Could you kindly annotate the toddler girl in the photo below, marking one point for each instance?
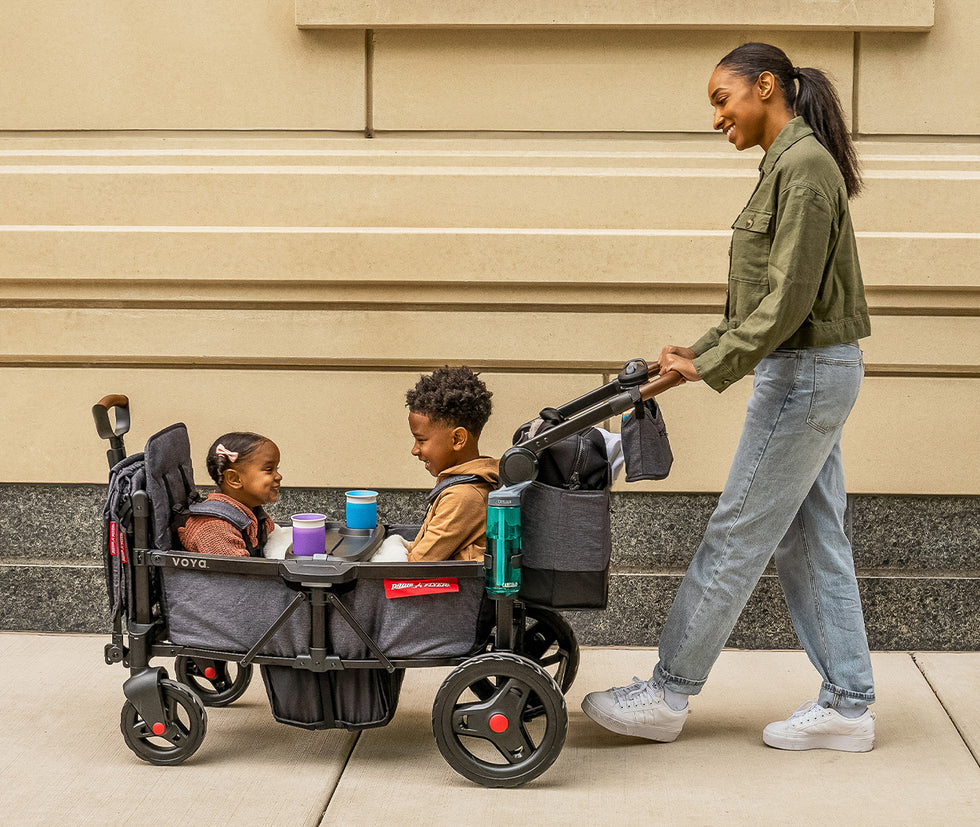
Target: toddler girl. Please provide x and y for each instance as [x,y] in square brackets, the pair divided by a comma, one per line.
[246,468]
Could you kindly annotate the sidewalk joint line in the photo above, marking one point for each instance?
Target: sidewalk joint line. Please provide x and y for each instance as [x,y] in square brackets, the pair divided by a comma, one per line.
[949,715]
[340,776]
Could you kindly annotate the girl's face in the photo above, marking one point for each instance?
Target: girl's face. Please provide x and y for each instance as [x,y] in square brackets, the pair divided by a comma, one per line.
[436,444]
[255,479]
[740,110]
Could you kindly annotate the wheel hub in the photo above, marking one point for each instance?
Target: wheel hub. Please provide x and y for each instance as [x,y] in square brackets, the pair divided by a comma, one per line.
[499,723]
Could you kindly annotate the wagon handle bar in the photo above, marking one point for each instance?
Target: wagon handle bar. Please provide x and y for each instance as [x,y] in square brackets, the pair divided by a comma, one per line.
[105,427]
[670,379]
[519,463]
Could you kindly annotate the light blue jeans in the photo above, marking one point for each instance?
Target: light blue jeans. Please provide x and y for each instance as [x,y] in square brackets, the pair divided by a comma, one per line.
[784,497]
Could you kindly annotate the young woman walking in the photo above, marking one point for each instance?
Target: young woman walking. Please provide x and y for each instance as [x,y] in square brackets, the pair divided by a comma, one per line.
[795,311]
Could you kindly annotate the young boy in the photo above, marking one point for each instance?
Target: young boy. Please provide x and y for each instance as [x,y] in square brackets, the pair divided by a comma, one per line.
[447,412]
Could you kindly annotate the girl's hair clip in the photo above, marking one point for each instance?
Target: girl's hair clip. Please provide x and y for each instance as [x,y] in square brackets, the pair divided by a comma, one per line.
[221,451]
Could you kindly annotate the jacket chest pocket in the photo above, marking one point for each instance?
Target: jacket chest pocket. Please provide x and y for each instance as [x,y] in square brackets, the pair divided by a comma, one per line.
[750,247]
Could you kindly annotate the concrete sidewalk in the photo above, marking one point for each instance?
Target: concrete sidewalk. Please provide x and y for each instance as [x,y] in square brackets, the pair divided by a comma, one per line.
[63,760]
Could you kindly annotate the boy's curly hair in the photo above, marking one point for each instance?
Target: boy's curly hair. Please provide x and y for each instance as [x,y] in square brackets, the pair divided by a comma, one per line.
[454,396]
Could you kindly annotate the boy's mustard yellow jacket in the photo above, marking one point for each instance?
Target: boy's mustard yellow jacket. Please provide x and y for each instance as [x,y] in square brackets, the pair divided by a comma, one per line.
[794,279]
[455,527]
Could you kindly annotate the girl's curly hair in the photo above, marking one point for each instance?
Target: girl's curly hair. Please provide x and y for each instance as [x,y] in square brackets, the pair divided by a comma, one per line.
[455,396]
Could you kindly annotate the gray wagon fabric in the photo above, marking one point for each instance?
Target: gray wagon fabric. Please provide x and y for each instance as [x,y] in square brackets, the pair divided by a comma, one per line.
[645,444]
[566,545]
[351,699]
[169,481]
[436,625]
[565,530]
[232,611]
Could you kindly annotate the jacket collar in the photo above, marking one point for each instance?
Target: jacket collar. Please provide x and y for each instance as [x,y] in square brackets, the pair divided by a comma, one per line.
[794,131]
[485,467]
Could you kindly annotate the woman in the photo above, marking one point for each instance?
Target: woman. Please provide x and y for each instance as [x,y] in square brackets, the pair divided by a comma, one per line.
[795,311]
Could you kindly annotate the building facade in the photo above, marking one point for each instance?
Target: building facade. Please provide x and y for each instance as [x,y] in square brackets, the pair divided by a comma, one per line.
[273,215]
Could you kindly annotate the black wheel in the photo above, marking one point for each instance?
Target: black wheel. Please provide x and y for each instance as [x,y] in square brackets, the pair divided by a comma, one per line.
[550,642]
[216,682]
[504,738]
[170,741]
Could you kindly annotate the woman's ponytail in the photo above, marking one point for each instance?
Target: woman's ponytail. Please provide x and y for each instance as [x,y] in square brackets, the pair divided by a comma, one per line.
[816,101]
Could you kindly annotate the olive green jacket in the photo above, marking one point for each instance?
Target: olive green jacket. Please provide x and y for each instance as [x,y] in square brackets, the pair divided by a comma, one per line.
[794,280]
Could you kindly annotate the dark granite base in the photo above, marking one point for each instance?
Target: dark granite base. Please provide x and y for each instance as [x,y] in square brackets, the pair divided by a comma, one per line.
[918,560]
[51,522]
[901,614]
[46,598]
[655,532]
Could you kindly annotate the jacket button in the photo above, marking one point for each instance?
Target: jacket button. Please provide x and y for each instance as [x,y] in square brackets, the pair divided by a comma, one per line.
[748,222]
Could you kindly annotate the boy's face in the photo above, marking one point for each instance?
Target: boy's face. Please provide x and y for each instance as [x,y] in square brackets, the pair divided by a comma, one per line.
[436,444]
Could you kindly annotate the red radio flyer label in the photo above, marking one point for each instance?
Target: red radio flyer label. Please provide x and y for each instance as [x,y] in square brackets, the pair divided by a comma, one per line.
[415,588]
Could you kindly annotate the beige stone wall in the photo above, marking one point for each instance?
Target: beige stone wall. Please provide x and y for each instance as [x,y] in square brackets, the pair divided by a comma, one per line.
[191,214]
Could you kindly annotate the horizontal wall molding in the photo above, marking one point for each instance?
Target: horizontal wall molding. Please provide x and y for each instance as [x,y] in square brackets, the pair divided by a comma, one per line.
[682,194]
[835,15]
[479,256]
[394,335]
[530,366]
[308,411]
[625,297]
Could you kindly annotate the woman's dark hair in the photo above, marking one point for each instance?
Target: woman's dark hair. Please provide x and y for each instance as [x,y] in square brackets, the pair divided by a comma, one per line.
[239,444]
[454,396]
[816,101]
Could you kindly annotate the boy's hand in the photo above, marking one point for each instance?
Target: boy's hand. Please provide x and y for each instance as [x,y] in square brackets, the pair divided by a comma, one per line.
[674,357]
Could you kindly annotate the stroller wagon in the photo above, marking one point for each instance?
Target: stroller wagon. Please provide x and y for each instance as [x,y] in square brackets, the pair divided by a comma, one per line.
[334,634]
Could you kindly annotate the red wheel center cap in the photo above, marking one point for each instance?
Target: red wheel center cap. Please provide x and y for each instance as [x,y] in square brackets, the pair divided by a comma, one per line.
[210,673]
[499,723]
[159,729]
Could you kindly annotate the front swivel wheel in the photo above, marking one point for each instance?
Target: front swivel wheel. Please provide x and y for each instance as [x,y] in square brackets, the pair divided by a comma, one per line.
[508,735]
[172,740]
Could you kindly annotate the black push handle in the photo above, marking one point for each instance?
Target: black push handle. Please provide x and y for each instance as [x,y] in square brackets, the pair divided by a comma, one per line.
[520,462]
[113,432]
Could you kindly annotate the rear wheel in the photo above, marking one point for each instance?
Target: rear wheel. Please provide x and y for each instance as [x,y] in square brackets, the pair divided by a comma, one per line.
[500,720]
[549,641]
[177,737]
[216,682]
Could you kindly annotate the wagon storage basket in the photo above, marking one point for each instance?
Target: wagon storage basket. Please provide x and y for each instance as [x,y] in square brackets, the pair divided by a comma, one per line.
[566,546]
[348,699]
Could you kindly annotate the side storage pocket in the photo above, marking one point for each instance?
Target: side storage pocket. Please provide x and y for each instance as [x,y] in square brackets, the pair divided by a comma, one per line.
[348,699]
[566,546]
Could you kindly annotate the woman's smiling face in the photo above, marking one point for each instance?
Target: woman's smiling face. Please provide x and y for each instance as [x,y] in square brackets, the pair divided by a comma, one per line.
[739,109]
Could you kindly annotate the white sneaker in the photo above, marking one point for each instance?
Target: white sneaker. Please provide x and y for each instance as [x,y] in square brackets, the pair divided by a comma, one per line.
[638,709]
[816,727]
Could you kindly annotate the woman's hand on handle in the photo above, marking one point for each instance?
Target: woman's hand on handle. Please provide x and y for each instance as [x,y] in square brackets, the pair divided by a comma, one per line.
[680,359]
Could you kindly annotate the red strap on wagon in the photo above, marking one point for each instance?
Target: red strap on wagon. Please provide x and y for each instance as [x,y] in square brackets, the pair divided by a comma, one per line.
[414,588]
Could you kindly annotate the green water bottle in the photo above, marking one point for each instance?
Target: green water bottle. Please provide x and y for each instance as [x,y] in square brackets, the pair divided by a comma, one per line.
[502,562]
